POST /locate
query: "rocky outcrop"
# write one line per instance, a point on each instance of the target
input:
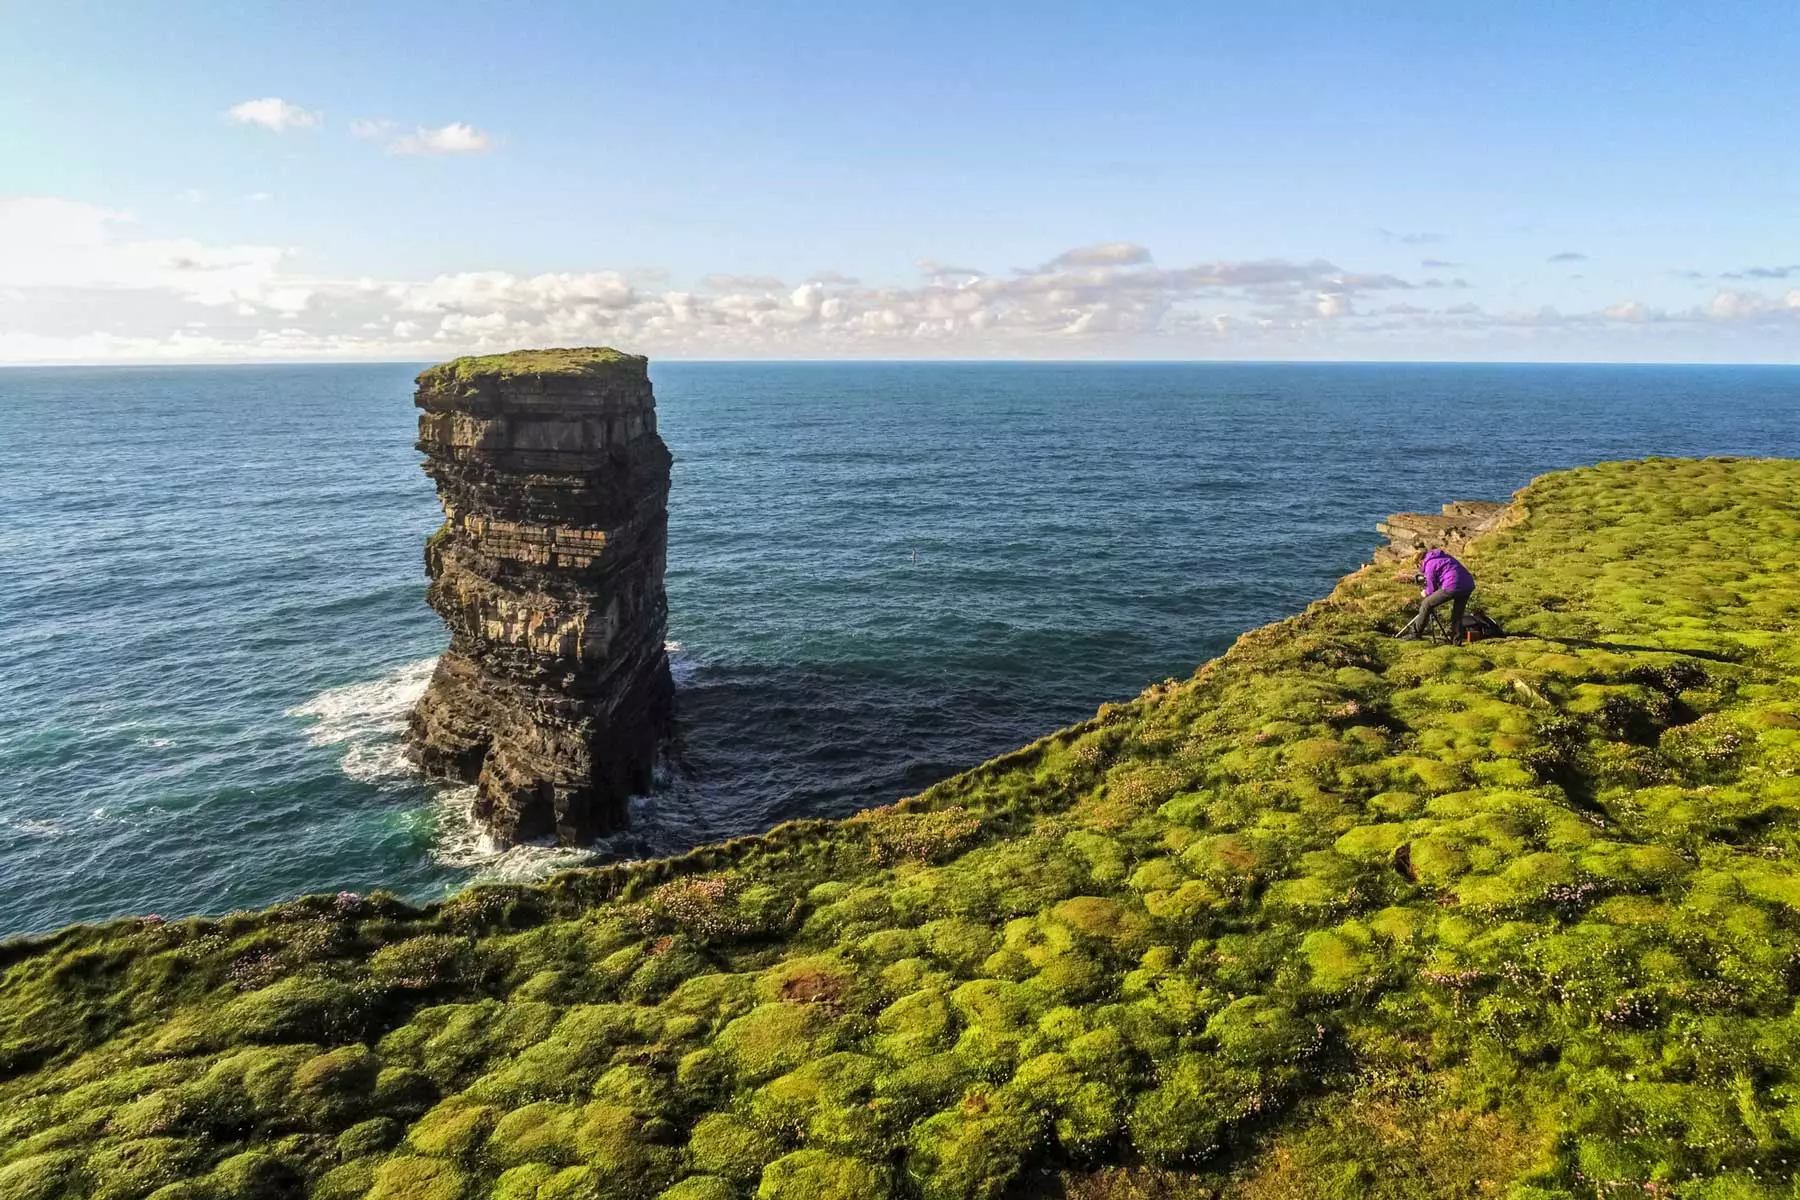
(555, 693)
(1460, 522)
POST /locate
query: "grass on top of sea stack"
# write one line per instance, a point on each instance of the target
(1338, 916)
(586, 360)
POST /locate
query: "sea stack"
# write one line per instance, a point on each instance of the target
(555, 691)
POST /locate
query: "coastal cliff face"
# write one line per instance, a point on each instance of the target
(1337, 916)
(555, 691)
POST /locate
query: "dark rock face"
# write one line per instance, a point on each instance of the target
(555, 692)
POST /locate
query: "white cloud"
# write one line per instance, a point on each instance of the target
(454, 138)
(70, 269)
(458, 137)
(274, 113)
(1104, 254)
(1734, 305)
(66, 244)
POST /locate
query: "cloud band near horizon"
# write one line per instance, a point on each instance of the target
(76, 286)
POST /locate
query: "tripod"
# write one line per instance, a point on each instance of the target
(1438, 628)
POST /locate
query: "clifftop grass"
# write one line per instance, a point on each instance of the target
(1336, 917)
(587, 360)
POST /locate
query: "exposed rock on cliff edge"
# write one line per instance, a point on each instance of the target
(1460, 522)
(555, 691)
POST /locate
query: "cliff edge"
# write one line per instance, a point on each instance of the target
(555, 693)
(1337, 916)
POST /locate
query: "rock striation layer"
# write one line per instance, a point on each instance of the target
(1459, 523)
(555, 692)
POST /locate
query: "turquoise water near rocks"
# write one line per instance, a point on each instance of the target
(211, 590)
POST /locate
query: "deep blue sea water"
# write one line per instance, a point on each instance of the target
(212, 617)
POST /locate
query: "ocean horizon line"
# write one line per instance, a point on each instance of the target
(259, 363)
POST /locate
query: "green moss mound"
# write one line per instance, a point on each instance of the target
(587, 360)
(1337, 917)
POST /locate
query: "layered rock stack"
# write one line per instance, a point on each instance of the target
(1460, 522)
(555, 692)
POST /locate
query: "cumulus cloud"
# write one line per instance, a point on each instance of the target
(68, 269)
(1409, 239)
(275, 114)
(1103, 254)
(455, 138)
(1740, 306)
(458, 137)
(253, 302)
(742, 283)
(1436, 264)
(1568, 256)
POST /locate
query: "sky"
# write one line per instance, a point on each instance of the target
(247, 181)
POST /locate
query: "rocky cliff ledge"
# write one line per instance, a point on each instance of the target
(1459, 523)
(555, 691)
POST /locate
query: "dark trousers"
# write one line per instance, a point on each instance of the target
(1458, 601)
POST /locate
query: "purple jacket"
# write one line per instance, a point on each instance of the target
(1441, 571)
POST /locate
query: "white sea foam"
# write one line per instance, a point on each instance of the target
(34, 827)
(368, 720)
(367, 723)
(462, 842)
(681, 667)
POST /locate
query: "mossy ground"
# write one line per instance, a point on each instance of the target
(1337, 917)
(580, 361)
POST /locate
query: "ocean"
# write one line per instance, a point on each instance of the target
(212, 616)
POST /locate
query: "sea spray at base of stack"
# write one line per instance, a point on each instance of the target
(461, 843)
(367, 720)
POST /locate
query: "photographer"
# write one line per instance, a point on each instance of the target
(1444, 579)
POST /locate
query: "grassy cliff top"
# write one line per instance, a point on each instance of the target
(585, 360)
(1336, 917)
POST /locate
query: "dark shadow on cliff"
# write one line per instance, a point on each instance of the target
(1628, 648)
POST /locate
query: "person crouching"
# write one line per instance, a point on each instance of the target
(1446, 581)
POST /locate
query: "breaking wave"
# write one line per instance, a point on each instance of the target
(463, 844)
(368, 720)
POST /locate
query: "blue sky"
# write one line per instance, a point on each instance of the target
(405, 180)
